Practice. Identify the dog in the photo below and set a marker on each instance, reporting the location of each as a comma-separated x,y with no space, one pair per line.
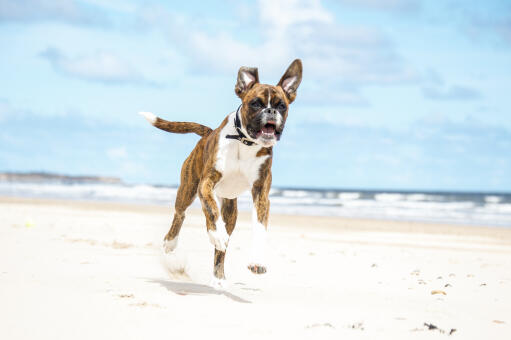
233,158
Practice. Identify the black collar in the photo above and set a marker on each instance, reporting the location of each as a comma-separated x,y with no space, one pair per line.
240,136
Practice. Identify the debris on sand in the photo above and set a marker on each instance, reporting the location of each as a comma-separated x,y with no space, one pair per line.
435,292
357,325
432,327
125,296
317,325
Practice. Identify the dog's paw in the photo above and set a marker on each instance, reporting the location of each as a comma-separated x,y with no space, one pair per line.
169,245
219,238
175,264
218,284
257,268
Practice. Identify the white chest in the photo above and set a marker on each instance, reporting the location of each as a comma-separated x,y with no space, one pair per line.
238,164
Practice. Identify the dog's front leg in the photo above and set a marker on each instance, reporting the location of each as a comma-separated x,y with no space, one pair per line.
216,227
260,213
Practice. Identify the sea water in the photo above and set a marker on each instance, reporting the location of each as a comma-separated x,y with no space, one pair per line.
475,208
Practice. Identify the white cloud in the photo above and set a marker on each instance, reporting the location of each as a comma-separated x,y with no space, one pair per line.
334,55
276,16
68,11
313,93
455,92
386,5
100,66
117,153
431,154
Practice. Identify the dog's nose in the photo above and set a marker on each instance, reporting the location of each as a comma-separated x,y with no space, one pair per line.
270,113
273,111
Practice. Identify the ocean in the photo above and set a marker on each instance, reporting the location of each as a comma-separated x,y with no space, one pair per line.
492,209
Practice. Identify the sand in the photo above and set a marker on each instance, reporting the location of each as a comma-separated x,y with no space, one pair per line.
90,270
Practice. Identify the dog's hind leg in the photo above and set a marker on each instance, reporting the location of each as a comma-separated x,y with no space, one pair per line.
229,216
185,195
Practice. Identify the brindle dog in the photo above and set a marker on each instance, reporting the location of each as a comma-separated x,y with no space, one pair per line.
233,158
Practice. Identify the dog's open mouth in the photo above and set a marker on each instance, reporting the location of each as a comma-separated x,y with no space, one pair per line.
268,131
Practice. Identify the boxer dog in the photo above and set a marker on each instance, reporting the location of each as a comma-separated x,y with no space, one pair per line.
231,159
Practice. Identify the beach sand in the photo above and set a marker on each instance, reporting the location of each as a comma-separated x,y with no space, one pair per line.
92,270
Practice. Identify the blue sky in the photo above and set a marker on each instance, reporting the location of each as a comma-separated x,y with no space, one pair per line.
396,94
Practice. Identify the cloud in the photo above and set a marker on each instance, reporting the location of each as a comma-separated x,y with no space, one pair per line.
451,93
433,154
277,16
117,152
101,66
385,5
67,11
345,55
489,24
9,112
336,95
504,29
357,56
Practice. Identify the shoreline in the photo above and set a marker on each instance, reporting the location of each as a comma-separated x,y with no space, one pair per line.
476,209
337,222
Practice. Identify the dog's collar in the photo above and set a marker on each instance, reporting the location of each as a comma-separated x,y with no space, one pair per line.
240,136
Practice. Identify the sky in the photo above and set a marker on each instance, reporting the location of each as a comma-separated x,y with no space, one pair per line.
396,94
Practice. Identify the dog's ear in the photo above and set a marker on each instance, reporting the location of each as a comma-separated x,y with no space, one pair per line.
291,79
247,77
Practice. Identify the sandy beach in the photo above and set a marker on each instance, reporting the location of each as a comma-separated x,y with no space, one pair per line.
92,270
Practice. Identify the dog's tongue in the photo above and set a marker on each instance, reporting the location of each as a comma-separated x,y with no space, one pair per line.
268,128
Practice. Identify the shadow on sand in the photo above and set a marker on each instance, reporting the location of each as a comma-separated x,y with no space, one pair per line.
190,288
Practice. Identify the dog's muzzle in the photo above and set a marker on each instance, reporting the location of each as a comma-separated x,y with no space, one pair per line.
271,125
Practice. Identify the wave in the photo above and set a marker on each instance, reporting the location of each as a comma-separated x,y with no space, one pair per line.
465,208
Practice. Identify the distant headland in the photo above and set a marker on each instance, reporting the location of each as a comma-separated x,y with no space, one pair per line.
39,177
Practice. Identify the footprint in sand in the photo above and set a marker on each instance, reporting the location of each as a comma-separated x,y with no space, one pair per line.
144,304
126,296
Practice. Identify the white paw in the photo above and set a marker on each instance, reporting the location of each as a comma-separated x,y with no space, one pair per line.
175,264
259,235
218,284
219,237
169,245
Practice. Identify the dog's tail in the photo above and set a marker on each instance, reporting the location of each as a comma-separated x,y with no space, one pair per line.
176,127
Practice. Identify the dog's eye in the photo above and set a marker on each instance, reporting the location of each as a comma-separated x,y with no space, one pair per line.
256,104
281,106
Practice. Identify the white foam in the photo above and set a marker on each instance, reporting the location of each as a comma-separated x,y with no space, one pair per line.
349,196
137,193
389,197
478,209
492,199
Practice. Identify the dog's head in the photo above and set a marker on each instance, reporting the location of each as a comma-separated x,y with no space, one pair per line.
265,107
